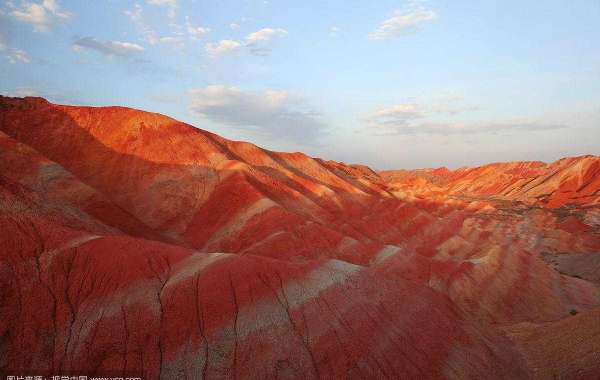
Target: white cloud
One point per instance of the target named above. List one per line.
(17, 55)
(412, 119)
(410, 111)
(397, 114)
(174, 41)
(195, 32)
(264, 35)
(40, 15)
(170, 4)
(274, 113)
(13, 55)
(255, 42)
(109, 48)
(217, 49)
(334, 31)
(136, 16)
(234, 26)
(405, 20)
(53, 7)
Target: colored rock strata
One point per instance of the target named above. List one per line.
(135, 245)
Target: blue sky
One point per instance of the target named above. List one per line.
(392, 84)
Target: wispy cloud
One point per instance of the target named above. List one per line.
(109, 48)
(176, 39)
(195, 32)
(264, 35)
(412, 119)
(136, 16)
(173, 41)
(277, 114)
(334, 31)
(396, 115)
(256, 42)
(405, 20)
(170, 4)
(216, 49)
(446, 129)
(41, 15)
(13, 55)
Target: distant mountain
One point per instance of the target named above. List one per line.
(569, 181)
(135, 245)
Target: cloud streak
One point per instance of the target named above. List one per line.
(108, 48)
(216, 49)
(13, 55)
(406, 20)
(410, 119)
(256, 42)
(170, 4)
(276, 114)
(264, 35)
(447, 129)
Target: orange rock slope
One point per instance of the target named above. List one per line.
(135, 245)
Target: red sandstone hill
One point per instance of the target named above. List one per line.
(569, 181)
(133, 244)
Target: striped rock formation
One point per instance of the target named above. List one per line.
(135, 245)
(569, 181)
